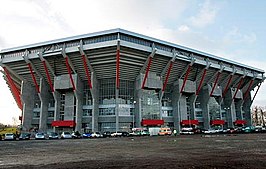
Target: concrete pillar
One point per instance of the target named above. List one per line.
(183, 108)
(27, 96)
(138, 115)
(44, 97)
(79, 104)
(192, 104)
(204, 98)
(239, 109)
(246, 108)
(230, 108)
(56, 96)
(176, 106)
(95, 102)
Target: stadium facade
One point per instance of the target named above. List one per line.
(116, 80)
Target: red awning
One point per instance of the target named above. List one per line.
(190, 122)
(240, 122)
(217, 122)
(65, 123)
(148, 122)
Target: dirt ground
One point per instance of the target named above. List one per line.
(196, 151)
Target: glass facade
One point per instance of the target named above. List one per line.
(150, 106)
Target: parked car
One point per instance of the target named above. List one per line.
(120, 134)
(66, 135)
(96, 135)
(209, 131)
(249, 129)
(107, 134)
(86, 135)
(10, 136)
(165, 131)
(53, 135)
(24, 136)
(145, 133)
(39, 136)
(76, 135)
(187, 130)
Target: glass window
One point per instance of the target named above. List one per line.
(87, 112)
(50, 113)
(150, 104)
(107, 111)
(36, 114)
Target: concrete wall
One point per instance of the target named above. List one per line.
(28, 93)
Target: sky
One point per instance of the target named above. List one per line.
(232, 29)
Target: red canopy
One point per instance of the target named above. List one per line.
(149, 122)
(240, 122)
(64, 123)
(190, 122)
(217, 122)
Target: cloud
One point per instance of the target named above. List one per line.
(206, 15)
(183, 28)
(234, 35)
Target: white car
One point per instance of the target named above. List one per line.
(96, 135)
(187, 130)
(39, 136)
(210, 131)
(9, 136)
(66, 135)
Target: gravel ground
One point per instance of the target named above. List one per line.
(196, 151)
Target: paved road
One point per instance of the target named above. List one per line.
(218, 151)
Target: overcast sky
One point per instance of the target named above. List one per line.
(232, 29)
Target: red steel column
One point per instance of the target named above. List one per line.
(201, 81)
(146, 73)
(248, 89)
(86, 70)
(215, 83)
(227, 85)
(117, 68)
(70, 74)
(14, 89)
(168, 74)
(238, 86)
(48, 76)
(33, 78)
(184, 82)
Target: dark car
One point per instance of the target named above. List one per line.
(124, 134)
(24, 136)
(76, 134)
(107, 134)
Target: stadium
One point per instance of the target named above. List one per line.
(116, 80)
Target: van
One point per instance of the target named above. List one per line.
(165, 131)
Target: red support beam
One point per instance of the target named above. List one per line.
(146, 73)
(70, 74)
(168, 74)
(185, 80)
(256, 92)
(14, 89)
(86, 70)
(201, 81)
(48, 76)
(117, 68)
(238, 86)
(33, 78)
(215, 83)
(227, 85)
(248, 89)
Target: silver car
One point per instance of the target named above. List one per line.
(39, 136)
(9, 136)
(66, 135)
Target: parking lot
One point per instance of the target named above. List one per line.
(184, 151)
